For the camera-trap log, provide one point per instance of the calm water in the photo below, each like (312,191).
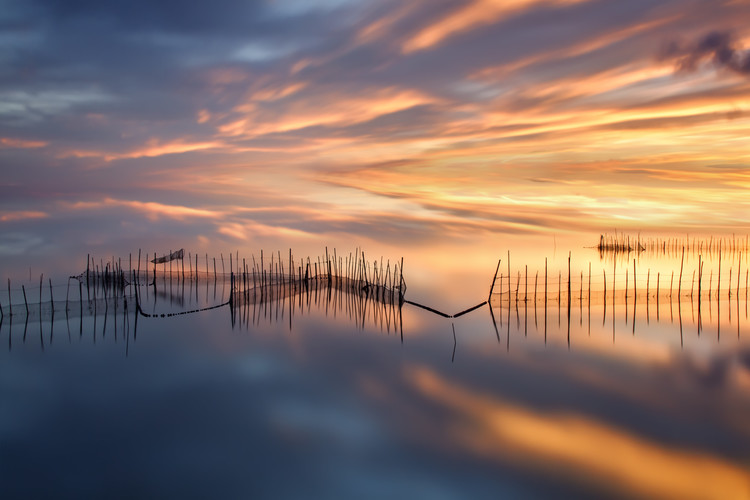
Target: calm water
(328,393)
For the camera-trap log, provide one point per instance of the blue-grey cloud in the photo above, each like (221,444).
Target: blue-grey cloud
(718,47)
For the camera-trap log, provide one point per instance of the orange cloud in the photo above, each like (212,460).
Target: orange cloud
(11,143)
(275,93)
(477,13)
(580,48)
(152,210)
(21,215)
(203,116)
(153,148)
(321,110)
(578,448)
(245,230)
(382,27)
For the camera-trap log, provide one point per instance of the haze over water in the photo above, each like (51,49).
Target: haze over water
(449,133)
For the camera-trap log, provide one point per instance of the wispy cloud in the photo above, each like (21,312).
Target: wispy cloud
(152,210)
(474,14)
(717,47)
(21,215)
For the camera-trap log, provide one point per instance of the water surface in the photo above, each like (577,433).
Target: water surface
(328,392)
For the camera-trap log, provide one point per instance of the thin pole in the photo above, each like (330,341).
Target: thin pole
(526,284)
(24,300)
(492,287)
(718,278)
(682,262)
(739,267)
(501,285)
(568,285)
(700,279)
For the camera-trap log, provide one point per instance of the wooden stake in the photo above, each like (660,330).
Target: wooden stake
(739,267)
(569,284)
(718,278)
(526,284)
(24,300)
(401,281)
(658,276)
(501,285)
(492,287)
(682,262)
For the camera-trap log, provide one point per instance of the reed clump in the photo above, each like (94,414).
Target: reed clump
(619,244)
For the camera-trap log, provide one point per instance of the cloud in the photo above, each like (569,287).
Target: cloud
(21,215)
(717,47)
(475,14)
(152,210)
(9,142)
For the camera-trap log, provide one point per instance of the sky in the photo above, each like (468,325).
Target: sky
(236,122)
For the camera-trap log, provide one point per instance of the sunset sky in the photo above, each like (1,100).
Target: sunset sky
(230,121)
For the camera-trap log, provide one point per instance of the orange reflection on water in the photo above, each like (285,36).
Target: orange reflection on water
(578,448)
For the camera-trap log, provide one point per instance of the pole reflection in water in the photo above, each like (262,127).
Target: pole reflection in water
(107,306)
(255,296)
